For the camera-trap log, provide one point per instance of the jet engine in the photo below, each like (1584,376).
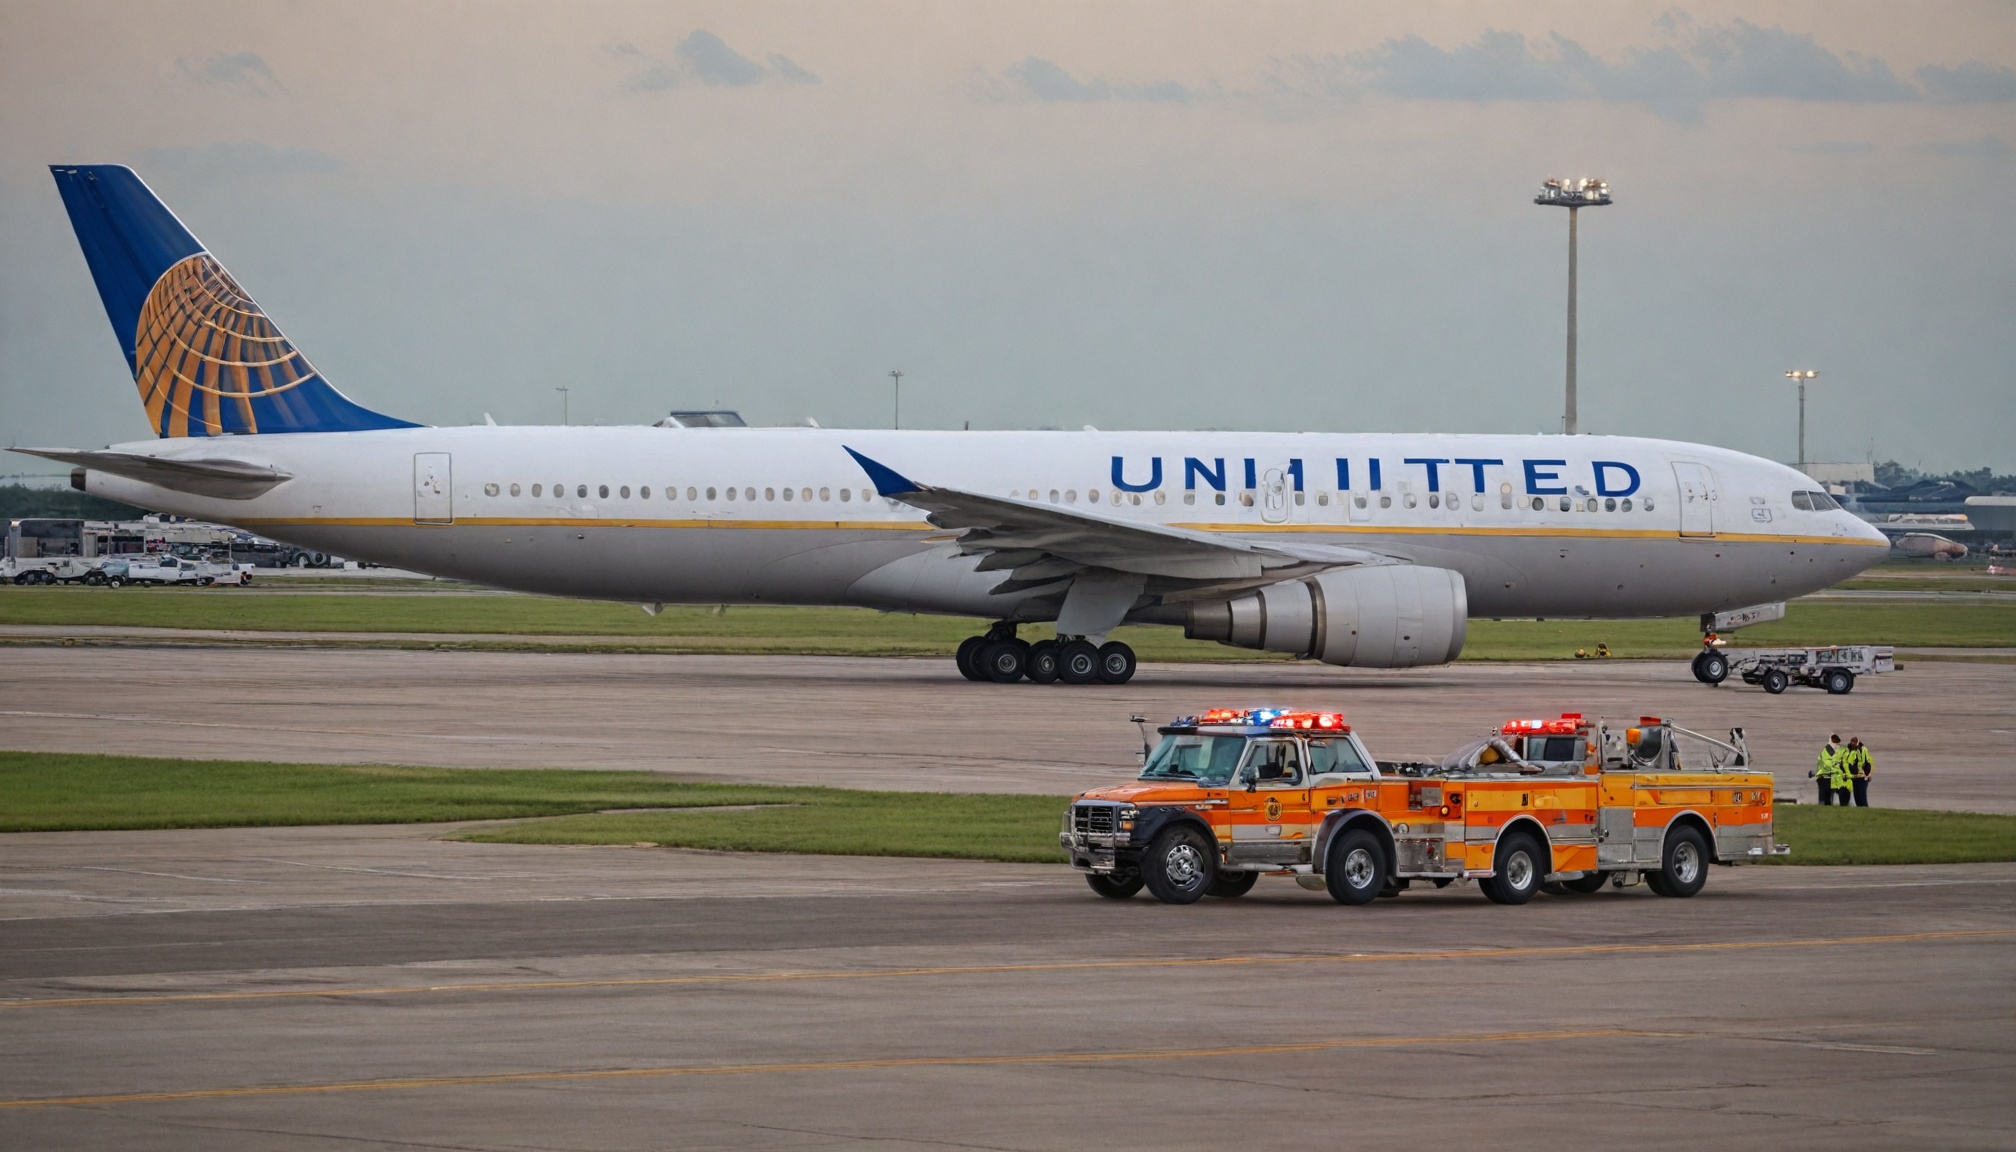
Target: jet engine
(1379,616)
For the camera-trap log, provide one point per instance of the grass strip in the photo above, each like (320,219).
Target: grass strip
(763,629)
(44,792)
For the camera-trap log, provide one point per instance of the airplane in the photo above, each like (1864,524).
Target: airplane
(1355,549)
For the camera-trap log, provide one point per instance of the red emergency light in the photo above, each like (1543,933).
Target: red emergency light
(1312,721)
(1568,725)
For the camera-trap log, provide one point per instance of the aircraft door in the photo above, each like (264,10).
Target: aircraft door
(433,488)
(1697,498)
(1359,505)
(1274,496)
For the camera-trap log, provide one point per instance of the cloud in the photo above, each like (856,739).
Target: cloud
(1733,61)
(241,158)
(706,59)
(1970,82)
(1981,148)
(245,71)
(1045,82)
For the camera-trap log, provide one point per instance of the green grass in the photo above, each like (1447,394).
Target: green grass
(1893,836)
(860,632)
(41,792)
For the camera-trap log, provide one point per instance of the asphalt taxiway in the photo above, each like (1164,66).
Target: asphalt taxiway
(380,988)
(1942,732)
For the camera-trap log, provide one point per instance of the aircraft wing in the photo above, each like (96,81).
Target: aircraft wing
(207,476)
(1043,543)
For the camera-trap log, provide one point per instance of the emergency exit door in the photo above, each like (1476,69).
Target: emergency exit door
(1697,498)
(433,488)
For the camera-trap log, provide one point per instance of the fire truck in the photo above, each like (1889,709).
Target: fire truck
(1566,806)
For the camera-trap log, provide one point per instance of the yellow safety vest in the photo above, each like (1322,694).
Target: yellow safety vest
(1857,762)
(1827,768)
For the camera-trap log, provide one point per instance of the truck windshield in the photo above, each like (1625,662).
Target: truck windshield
(1206,760)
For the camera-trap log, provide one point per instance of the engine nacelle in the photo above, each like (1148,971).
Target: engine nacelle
(1379,616)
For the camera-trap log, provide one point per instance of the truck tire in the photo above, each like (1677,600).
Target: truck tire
(1838,682)
(113,581)
(1354,870)
(1683,864)
(1179,865)
(1711,668)
(1116,887)
(1776,681)
(1228,885)
(1520,863)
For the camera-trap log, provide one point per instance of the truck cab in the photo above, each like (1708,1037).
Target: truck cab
(1565,805)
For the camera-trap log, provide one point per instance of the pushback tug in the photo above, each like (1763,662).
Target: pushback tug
(1565,805)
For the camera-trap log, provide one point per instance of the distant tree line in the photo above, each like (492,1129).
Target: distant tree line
(20,501)
(1979,482)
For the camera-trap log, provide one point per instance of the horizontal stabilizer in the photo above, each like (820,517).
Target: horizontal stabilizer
(226,479)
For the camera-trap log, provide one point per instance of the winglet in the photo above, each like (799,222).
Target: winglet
(888,481)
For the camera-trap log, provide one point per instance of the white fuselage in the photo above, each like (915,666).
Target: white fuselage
(1623,526)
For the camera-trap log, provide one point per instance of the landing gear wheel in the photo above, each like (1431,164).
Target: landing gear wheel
(1004,661)
(1043,666)
(1776,681)
(1519,866)
(1116,664)
(1231,884)
(968,657)
(1711,668)
(1355,869)
(1839,682)
(1179,866)
(1115,887)
(1078,663)
(1684,863)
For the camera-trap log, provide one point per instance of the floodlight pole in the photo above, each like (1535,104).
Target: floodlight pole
(898,377)
(1802,375)
(562,389)
(1573,195)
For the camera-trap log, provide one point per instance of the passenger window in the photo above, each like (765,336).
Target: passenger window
(1333,755)
(602,493)
(1188,497)
(644,492)
(489,489)
(789,495)
(514,489)
(1274,763)
(581,491)
(846,494)
(748,493)
(825,494)
(710,493)
(1567,505)
(535,489)
(1625,505)
(768,494)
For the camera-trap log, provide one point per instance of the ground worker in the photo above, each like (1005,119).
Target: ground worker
(1860,765)
(1823,769)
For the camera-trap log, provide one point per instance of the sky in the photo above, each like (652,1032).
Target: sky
(1254,215)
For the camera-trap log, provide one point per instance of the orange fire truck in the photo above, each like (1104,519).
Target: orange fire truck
(1565,805)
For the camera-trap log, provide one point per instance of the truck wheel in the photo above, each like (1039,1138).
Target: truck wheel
(1231,884)
(1116,887)
(1179,866)
(1776,681)
(967,657)
(1354,870)
(1839,682)
(1078,663)
(1004,660)
(1684,863)
(1519,866)
(1116,663)
(1043,665)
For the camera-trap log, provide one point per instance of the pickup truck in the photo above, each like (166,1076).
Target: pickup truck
(150,570)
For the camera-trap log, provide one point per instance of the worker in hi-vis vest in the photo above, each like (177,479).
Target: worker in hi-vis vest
(1860,765)
(1823,769)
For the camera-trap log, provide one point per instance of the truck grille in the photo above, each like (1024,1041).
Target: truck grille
(1092,819)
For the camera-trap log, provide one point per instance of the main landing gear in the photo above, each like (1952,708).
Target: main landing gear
(999,656)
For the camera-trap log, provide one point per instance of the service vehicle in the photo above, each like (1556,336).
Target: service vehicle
(152,569)
(56,570)
(1834,667)
(1565,805)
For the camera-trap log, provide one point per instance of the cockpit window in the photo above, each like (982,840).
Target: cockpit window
(1815,502)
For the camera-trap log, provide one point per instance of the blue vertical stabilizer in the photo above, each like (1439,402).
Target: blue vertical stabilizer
(205,356)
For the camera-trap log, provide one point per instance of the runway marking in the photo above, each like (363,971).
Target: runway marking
(1008,969)
(680,1070)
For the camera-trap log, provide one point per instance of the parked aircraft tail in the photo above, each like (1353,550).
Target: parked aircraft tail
(203,353)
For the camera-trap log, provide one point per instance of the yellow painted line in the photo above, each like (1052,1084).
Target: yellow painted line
(681,1070)
(1006,969)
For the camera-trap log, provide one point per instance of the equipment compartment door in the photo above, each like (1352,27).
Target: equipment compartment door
(1697,498)
(433,488)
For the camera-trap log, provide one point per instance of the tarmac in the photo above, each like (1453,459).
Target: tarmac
(282,989)
(1941,732)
